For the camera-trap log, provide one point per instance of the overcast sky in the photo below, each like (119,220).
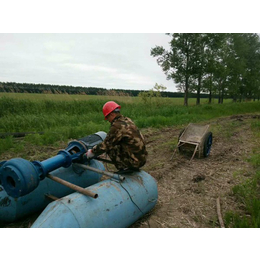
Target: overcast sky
(107,60)
(110,60)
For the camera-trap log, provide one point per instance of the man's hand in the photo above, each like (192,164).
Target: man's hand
(89,154)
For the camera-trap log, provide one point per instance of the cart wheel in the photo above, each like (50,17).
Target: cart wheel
(181,132)
(207,144)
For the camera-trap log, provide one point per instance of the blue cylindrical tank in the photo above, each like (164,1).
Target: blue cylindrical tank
(12,209)
(119,204)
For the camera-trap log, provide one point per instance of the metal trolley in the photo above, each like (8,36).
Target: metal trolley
(198,136)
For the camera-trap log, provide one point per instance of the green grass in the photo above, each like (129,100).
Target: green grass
(248,192)
(125,99)
(248,195)
(63,117)
(6,144)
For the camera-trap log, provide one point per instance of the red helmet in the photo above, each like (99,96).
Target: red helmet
(109,107)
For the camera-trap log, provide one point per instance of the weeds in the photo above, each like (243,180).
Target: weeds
(248,193)
(6,144)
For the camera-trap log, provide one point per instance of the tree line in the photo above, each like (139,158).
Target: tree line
(222,64)
(13,87)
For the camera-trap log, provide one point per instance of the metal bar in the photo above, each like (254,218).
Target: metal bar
(195,150)
(188,142)
(174,151)
(110,174)
(72,186)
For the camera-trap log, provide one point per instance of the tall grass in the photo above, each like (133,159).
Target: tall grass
(69,117)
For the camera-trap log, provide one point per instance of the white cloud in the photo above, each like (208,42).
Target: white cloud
(118,60)
(90,68)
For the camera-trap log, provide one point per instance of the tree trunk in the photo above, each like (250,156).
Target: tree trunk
(210,90)
(222,95)
(219,96)
(219,92)
(210,96)
(198,91)
(186,92)
(198,96)
(186,97)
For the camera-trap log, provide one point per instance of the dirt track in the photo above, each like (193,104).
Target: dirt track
(188,189)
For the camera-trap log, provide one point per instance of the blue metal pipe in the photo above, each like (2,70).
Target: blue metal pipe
(20,177)
(62,159)
(12,209)
(119,204)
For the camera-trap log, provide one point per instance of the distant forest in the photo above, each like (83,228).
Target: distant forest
(13,87)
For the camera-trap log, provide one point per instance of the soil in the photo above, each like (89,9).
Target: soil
(188,189)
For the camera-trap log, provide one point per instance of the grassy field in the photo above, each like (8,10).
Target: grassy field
(66,97)
(64,117)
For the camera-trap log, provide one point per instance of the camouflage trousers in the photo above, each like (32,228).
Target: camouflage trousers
(123,159)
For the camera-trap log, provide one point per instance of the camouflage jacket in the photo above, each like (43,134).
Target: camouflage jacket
(124,143)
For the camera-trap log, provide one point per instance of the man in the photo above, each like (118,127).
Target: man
(124,143)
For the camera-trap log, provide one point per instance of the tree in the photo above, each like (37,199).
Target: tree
(155,92)
(251,78)
(178,63)
(200,62)
(236,62)
(220,63)
(214,60)
(158,88)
